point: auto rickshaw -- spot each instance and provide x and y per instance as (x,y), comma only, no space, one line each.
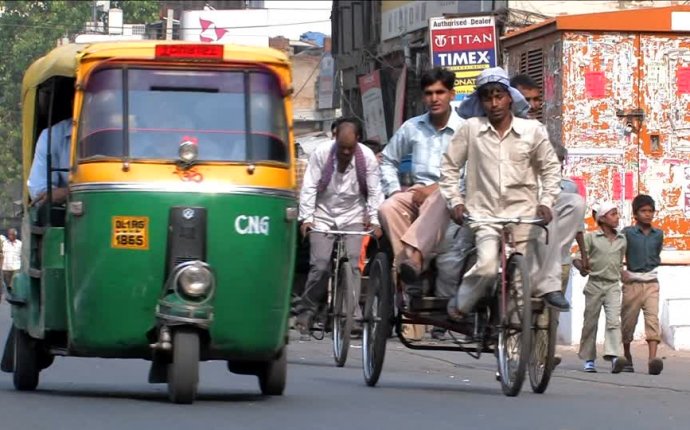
(176,243)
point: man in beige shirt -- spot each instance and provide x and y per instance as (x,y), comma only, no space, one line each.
(511,170)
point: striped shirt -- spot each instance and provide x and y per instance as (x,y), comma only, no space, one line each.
(419,138)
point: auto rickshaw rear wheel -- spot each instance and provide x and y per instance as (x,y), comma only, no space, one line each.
(26,363)
(183,370)
(273,376)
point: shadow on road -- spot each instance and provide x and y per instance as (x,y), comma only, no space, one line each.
(101,392)
(432,387)
(316,362)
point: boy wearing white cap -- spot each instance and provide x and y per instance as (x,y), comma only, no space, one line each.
(606,249)
(511,170)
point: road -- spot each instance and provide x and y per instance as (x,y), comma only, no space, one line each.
(416,391)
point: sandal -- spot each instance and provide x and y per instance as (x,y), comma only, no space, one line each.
(656,365)
(409,272)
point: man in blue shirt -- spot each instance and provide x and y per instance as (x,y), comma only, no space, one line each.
(61,134)
(425,138)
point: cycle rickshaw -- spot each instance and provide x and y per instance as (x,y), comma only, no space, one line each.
(181,192)
(520,333)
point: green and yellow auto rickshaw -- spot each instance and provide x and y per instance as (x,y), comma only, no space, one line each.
(176,241)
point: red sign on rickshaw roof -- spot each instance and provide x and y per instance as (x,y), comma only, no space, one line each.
(204,51)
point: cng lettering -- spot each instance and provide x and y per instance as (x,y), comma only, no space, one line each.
(252,224)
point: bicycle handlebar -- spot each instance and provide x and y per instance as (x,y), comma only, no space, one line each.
(498,220)
(342,232)
(539,222)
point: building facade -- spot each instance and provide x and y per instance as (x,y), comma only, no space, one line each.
(390,36)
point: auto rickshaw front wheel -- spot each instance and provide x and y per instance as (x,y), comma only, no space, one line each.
(183,370)
(26,361)
(273,376)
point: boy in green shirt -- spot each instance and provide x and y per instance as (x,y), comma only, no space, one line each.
(606,249)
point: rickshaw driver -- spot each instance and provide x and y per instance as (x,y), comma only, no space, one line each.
(504,157)
(37,183)
(341,190)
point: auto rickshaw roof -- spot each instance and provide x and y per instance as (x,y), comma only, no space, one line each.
(62,61)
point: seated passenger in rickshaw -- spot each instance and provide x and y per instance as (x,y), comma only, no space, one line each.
(522,183)
(424,138)
(341,190)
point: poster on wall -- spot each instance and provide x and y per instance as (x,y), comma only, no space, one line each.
(465,46)
(372,106)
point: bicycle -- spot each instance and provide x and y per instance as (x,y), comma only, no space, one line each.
(340,307)
(502,323)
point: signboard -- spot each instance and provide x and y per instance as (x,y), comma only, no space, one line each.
(325,95)
(465,46)
(239,26)
(372,106)
(400,17)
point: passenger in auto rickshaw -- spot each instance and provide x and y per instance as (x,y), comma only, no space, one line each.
(341,190)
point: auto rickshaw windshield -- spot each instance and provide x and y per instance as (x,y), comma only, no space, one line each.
(231,115)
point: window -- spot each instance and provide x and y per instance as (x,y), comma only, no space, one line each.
(166,107)
(532,64)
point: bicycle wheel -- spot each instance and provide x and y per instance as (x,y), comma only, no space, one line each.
(515,328)
(541,359)
(343,310)
(378,312)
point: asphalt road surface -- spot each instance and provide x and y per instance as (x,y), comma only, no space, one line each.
(417,390)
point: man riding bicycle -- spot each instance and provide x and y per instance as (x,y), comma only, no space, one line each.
(341,191)
(511,170)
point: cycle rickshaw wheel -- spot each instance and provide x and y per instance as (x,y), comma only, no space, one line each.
(541,360)
(378,310)
(343,309)
(515,326)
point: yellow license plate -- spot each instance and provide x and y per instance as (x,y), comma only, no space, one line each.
(130,232)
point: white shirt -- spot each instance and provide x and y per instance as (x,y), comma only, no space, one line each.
(12,254)
(505,176)
(341,204)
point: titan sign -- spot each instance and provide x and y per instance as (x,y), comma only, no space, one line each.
(465,46)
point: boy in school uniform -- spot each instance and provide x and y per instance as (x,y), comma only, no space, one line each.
(640,282)
(606,249)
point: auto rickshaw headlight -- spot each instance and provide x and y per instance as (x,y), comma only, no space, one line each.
(195,280)
(188,152)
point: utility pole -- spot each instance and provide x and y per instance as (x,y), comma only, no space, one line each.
(169,25)
(95,16)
